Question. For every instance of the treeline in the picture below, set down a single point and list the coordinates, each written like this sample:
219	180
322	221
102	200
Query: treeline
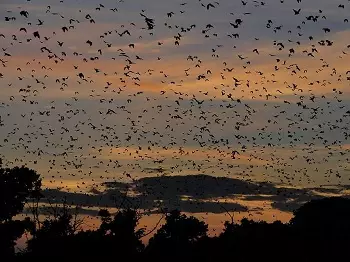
319	231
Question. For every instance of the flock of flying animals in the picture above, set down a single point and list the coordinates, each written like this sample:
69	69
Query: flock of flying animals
118	107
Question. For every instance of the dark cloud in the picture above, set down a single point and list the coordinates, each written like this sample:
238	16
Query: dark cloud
54	211
193	193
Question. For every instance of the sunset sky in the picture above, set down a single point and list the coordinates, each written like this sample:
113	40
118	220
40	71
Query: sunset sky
267	101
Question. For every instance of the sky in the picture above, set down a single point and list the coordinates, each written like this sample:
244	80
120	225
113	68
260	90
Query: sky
255	91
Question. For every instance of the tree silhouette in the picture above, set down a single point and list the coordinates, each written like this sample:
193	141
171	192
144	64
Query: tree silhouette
16	185
121	232
268	240
116	236
10	231
52	236
322	227
324	216
177	237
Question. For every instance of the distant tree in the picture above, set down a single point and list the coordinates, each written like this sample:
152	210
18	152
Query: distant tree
116	236
16	185
52	236
177	237
121	232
